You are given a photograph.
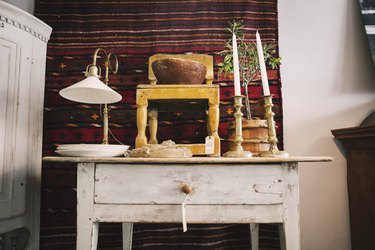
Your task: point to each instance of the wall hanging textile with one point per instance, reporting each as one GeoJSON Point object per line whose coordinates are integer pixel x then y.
{"type": "Point", "coordinates": [135, 30]}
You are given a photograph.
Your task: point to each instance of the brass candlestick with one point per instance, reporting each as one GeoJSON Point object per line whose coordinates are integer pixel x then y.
{"type": "Point", "coordinates": [272, 139]}
{"type": "Point", "coordinates": [238, 152]}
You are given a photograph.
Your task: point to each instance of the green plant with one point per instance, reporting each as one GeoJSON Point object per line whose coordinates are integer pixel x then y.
{"type": "Point", "coordinates": [247, 57]}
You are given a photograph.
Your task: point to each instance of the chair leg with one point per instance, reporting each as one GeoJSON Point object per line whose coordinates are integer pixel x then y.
{"type": "Point", "coordinates": [213, 126]}
{"type": "Point", "coordinates": [153, 125]}
{"type": "Point", "coordinates": [141, 138]}
{"type": "Point", "coordinates": [127, 236]}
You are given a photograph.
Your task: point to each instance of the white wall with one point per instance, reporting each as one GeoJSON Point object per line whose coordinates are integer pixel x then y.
{"type": "Point", "coordinates": [26, 5]}
{"type": "Point", "coordinates": [328, 82]}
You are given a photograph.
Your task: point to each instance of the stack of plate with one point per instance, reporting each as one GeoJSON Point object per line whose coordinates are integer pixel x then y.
{"type": "Point", "coordinates": [92, 150]}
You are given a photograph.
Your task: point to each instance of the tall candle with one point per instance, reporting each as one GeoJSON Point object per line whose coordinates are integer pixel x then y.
{"type": "Point", "coordinates": [236, 67]}
{"type": "Point", "coordinates": [262, 65]}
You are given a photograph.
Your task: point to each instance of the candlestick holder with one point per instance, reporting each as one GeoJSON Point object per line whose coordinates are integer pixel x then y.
{"type": "Point", "coordinates": [272, 138]}
{"type": "Point", "coordinates": [238, 152]}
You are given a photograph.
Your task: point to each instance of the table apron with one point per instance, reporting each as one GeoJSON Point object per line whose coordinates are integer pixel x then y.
{"type": "Point", "coordinates": [194, 213]}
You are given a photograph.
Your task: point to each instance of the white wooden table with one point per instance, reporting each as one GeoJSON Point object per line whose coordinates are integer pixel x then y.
{"type": "Point", "coordinates": [224, 190]}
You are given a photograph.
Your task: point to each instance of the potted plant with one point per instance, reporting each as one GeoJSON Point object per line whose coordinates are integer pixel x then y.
{"type": "Point", "coordinates": [248, 59]}
{"type": "Point", "coordinates": [255, 133]}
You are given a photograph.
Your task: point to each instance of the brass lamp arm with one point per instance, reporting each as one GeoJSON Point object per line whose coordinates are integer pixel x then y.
{"type": "Point", "coordinates": [108, 68]}
{"type": "Point", "coordinates": [114, 71]}
{"type": "Point", "coordinates": [107, 63]}
{"type": "Point", "coordinates": [95, 56]}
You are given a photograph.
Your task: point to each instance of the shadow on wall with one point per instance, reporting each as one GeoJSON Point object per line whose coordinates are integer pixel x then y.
{"type": "Point", "coordinates": [356, 64]}
{"type": "Point", "coordinates": [322, 143]}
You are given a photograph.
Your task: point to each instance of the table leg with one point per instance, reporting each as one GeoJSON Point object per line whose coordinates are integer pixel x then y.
{"type": "Point", "coordinates": [291, 208]}
{"type": "Point", "coordinates": [95, 235]}
{"type": "Point", "coordinates": [282, 237]}
{"type": "Point", "coordinates": [87, 228]}
{"type": "Point", "coordinates": [254, 235]}
{"type": "Point", "coordinates": [127, 236]}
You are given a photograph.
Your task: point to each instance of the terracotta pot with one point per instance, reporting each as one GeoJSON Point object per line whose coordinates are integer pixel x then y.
{"type": "Point", "coordinates": [254, 134]}
{"type": "Point", "coordinates": [179, 71]}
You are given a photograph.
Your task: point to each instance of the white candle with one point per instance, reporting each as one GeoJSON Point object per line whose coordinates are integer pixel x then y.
{"type": "Point", "coordinates": [236, 68]}
{"type": "Point", "coordinates": [262, 65]}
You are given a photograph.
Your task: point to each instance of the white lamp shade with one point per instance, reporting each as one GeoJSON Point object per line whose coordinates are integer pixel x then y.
{"type": "Point", "coordinates": [90, 90]}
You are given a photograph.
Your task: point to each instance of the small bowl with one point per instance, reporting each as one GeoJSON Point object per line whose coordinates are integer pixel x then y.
{"type": "Point", "coordinates": [178, 71]}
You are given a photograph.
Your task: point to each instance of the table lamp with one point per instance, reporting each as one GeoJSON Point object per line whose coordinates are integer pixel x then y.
{"type": "Point", "coordinates": [93, 91]}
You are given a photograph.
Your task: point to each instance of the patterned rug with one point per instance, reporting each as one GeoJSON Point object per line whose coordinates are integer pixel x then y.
{"type": "Point", "coordinates": [135, 30]}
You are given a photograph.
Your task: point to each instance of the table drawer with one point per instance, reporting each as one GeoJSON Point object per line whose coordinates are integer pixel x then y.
{"type": "Point", "coordinates": [162, 184]}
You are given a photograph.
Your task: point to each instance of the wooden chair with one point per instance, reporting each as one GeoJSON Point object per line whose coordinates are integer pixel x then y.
{"type": "Point", "coordinates": [163, 95]}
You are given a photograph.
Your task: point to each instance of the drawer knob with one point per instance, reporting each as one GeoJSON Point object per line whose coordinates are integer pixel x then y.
{"type": "Point", "coordinates": [186, 189]}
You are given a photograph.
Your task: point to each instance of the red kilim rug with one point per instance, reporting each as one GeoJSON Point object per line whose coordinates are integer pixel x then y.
{"type": "Point", "coordinates": [135, 30]}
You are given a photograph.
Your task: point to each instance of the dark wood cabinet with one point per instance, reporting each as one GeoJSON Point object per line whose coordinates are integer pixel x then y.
{"type": "Point", "coordinates": [359, 143]}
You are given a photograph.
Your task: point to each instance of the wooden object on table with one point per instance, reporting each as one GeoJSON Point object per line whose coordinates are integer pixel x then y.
{"type": "Point", "coordinates": [182, 71]}
{"type": "Point", "coordinates": [167, 149]}
{"type": "Point", "coordinates": [359, 143]}
{"type": "Point", "coordinates": [153, 98]}
{"type": "Point", "coordinates": [254, 133]}
{"type": "Point", "coordinates": [23, 47]}
{"type": "Point", "coordinates": [221, 190]}
{"type": "Point", "coordinates": [202, 58]}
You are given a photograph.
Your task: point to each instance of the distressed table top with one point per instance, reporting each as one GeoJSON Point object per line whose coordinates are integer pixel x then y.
{"type": "Point", "coordinates": [192, 160]}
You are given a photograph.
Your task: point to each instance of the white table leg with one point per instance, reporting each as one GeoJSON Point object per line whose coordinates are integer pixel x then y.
{"type": "Point", "coordinates": [127, 236]}
{"type": "Point", "coordinates": [282, 236]}
{"type": "Point", "coordinates": [87, 229]}
{"type": "Point", "coordinates": [95, 235]}
{"type": "Point", "coordinates": [291, 208]}
{"type": "Point", "coordinates": [254, 234]}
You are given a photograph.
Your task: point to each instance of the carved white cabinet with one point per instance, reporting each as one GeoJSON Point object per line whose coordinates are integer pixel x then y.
{"type": "Point", "coordinates": [23, 43]}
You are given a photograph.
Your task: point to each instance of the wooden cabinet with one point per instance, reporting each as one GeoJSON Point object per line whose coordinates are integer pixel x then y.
{"type": "Point", "coordinates": [23, 43]}
{"type": "Point", "coordinates": [359, 143]}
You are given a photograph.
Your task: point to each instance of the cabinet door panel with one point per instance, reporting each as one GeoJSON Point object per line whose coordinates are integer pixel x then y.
{"type": "Point", "coordinates": [8, 110]}
{"type": "Point", "coordinates": [23, 40]}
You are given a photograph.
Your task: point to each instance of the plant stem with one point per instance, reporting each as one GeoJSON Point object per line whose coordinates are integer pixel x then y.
{"type": "Point", "coordinates": [247, 102]}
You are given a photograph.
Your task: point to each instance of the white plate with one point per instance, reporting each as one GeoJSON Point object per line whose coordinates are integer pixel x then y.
{"type": "Point", "coordinates": [92, 153]}
{"type": "Point", "coordinates": [92, 147]}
